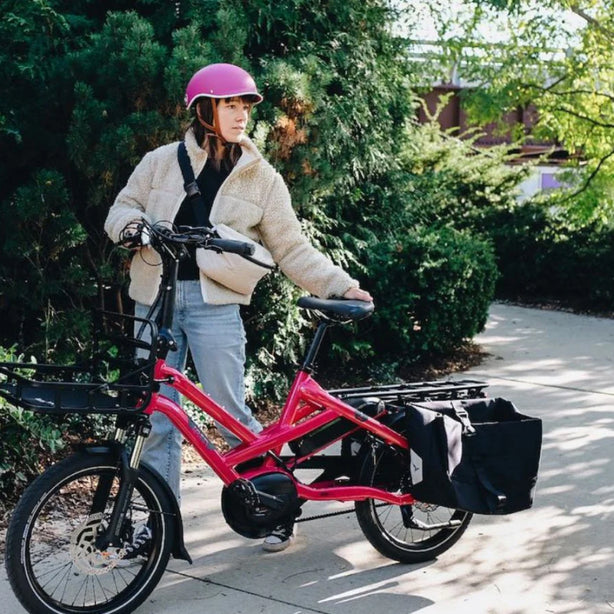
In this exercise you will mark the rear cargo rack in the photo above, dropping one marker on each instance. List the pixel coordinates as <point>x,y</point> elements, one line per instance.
<point>375,401</point>
<point>438,390</point>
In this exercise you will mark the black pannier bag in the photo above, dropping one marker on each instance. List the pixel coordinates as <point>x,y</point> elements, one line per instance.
<point>478,455</point>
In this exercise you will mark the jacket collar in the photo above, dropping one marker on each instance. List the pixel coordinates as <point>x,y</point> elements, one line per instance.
<point>198,156</point>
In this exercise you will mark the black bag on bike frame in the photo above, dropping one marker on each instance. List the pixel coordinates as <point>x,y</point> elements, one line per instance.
<point>478,455</point>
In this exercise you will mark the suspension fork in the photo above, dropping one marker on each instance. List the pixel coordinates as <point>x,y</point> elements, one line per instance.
<point>129,473</point>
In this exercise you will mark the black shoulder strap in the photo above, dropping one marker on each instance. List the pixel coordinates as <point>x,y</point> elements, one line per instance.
<point>190,186</point>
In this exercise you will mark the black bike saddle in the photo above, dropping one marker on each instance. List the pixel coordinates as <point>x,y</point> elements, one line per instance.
<point>337,308</point>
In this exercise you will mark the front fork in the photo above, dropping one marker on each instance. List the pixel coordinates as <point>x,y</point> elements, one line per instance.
<point>129,473</point>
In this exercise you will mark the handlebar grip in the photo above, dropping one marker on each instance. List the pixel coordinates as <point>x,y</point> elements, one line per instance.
<point>233,247</point>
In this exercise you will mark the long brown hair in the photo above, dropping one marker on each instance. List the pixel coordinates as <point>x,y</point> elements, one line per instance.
<point>224,155</point>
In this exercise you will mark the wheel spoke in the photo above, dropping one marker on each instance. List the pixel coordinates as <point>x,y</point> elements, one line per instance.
<point>54,532</point>
<point>422,534</point>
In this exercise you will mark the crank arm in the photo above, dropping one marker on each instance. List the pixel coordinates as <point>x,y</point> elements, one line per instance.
<point>253,498</point>
<point>270,500</point>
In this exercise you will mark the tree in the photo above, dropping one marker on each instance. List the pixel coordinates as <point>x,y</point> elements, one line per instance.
<point>556,56</point>
<point>38,232</point>
<point>338,99</point>
<point>89,88</point>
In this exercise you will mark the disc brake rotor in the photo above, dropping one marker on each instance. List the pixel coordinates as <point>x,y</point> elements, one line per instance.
<point>84,553</point>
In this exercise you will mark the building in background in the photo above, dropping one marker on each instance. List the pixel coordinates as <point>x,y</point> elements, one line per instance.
<point>453,119</point>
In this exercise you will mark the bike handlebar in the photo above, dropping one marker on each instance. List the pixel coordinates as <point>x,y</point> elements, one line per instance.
<point>233,247</point>
<point>163,238</point>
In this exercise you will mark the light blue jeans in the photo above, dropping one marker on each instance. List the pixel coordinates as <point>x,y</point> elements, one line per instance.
<point>215,336</point>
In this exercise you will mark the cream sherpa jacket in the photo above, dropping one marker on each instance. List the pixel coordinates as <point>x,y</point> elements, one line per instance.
<point>253,200</point>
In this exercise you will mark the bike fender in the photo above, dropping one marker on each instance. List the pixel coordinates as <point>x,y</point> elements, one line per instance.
<point>179,550</point>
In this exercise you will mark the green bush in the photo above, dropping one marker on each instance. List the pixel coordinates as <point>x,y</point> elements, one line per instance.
<point>432,289</point>
<point>26,438</point>
<point>30,441</point>
<point>522,238</point>
<point>542,255</point>
<point>337,122</point>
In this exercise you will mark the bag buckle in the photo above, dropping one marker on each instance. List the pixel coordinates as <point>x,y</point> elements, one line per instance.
<point>191,189</point>
<point>463,416</point>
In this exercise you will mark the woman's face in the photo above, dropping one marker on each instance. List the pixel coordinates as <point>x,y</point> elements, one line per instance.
<point>232,116</point>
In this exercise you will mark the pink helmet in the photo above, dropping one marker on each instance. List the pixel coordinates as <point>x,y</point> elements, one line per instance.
<point>221,81</point>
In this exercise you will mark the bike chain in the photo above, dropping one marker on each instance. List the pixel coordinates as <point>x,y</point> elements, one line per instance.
<point>330,514</point>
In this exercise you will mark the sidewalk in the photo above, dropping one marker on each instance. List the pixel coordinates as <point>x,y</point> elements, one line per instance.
<point>557,557</point>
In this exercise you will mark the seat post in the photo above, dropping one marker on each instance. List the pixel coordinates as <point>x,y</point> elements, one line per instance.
<point>312,351</point>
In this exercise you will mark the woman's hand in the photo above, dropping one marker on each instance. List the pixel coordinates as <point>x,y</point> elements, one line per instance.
<point>134,235</point>
<point>358,294</point>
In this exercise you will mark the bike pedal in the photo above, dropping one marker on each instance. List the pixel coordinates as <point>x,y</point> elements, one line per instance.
<point>246,492</point>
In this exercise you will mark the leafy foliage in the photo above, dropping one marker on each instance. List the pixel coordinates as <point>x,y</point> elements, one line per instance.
<point>444,282</point>
<point>430,260</point>
<point>554,56</point>
<point>100,84</point>
<point>26,437</point>
<point>545,256</point>
<point>88,88</point>
<point>40,239</point>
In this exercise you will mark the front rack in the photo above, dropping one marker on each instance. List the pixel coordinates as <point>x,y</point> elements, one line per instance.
<point>116,377</point>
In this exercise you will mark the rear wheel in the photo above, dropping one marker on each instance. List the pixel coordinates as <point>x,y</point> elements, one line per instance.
<point>409,533</point>
<point>52,561</point>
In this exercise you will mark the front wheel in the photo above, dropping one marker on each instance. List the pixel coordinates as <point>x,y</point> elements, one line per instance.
<point>409,533</point>
<point>52,561</point>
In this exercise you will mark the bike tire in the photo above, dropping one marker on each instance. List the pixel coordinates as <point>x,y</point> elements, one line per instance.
<point>384,525</point>
<point>51,561</point>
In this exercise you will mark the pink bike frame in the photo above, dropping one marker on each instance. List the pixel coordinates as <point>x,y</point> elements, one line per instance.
<point>306,397</point>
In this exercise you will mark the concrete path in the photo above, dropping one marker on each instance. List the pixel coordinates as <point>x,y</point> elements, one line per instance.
<point>555,558</point>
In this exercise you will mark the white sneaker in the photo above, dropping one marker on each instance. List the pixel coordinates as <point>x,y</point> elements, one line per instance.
<point>134,553</point>
<point>141,543</point>
<point>279,538</point>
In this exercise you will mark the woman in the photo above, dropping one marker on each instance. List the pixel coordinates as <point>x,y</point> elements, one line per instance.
<point>243,191</point>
